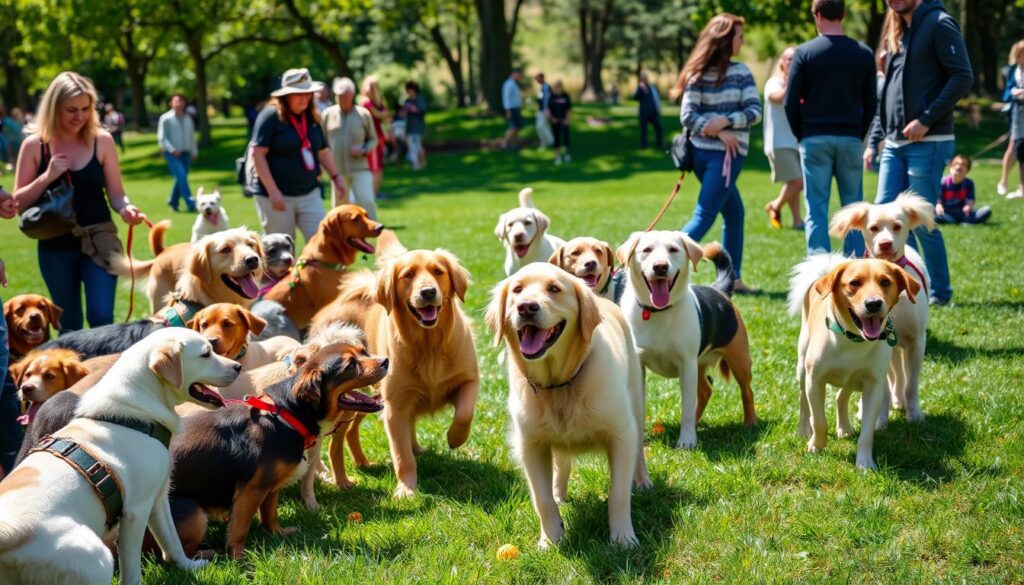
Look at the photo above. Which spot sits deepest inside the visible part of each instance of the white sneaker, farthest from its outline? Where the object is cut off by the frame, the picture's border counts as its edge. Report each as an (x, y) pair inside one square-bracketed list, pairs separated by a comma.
[(1001, 188), (1015, 194)]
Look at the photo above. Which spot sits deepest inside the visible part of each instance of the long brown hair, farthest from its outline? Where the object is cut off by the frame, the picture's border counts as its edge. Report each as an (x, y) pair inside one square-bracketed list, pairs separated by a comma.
[(892, 31), (281, 103), (713, 51)]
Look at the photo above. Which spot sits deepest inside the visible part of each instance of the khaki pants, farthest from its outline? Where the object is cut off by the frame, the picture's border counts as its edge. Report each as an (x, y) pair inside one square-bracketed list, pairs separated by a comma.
[(305, 212), (360, 192), (544, 132)]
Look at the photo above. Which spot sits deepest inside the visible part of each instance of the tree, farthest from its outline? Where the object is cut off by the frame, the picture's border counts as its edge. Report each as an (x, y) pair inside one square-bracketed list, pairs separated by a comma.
[(439, 15), (15, 88), (594, 18), (496, 35), (324, 25)]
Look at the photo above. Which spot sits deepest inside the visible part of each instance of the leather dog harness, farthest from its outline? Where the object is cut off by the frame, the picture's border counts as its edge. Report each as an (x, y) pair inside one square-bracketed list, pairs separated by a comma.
[(178, 314), (99, 475)]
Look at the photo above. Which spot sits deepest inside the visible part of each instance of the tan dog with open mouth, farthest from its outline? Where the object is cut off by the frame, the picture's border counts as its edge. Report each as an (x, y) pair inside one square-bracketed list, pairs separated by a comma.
[(43, 373), (575, 385), (411, 312), (846, 340), (886, 229), (589, 259), (523, 232), (29, 318)]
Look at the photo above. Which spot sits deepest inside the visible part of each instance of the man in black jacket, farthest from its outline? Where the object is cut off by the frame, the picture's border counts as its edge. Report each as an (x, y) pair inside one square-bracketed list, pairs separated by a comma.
[(928, 71)]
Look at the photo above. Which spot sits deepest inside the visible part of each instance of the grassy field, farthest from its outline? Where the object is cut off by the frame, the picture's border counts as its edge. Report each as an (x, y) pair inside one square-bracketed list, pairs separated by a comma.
[(748, 505)]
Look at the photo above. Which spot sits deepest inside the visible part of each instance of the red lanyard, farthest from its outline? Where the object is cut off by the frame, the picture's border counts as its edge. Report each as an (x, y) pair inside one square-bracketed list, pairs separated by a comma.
[(302, 131)]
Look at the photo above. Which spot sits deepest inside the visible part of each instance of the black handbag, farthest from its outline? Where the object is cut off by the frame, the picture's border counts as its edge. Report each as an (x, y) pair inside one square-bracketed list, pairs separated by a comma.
[(681, 151), (53, 214)]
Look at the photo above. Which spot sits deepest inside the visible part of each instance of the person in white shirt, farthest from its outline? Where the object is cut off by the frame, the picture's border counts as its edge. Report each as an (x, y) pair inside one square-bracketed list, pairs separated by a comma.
[(176, 134), (512, 103), (781, 146)]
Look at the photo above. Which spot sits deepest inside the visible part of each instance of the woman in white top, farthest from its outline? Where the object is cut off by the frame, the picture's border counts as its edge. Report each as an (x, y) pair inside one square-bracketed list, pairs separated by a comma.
[(781, 146)]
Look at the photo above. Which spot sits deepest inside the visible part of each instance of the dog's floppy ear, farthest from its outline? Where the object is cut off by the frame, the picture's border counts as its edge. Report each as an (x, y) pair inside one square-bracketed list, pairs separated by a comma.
[(314, 376), (459, 274), (18, 369), (827, 283), (495, 315), (609, 255), (8, 309), (301, 355), (500, 229), (542, 221), (256, 324), (73, 372), (291, 241), (626, 250), (852, 217), (693, 250), (558, 256), (165, 362), (54, 313), (906, 283), (386, 295), (198, 263), (918, 210), (589, 316)]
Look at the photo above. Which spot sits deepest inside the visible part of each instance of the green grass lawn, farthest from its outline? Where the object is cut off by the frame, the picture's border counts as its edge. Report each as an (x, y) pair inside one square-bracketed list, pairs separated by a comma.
[(749, 505)]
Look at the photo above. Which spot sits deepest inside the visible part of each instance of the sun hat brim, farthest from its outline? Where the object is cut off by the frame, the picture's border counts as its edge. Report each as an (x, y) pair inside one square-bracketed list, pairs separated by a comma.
[(311, 87)]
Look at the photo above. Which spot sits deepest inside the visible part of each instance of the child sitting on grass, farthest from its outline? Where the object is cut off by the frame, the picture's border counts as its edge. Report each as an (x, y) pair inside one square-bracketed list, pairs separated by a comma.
[(956, 205)]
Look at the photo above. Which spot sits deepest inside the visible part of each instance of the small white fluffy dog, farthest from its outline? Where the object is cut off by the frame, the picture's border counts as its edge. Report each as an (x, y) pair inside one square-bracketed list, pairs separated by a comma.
[(845, 340), (212, 218), (523, 232), (52, 524), (575, 384), (886, 229)]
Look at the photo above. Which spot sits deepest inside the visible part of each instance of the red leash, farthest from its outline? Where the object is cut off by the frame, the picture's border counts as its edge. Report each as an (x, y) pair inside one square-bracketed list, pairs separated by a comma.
[(131, 268)]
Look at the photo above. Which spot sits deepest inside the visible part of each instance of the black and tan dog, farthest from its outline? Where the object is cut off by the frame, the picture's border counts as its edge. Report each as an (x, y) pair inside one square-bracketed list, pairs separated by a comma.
[(239, 459)]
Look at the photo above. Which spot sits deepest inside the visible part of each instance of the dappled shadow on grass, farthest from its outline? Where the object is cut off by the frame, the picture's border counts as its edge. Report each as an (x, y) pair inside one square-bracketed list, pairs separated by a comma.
[(948, 350), (720, 442), (923, 453)]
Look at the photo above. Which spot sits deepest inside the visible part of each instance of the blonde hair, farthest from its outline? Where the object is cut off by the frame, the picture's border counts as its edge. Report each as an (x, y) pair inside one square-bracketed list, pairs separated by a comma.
[(65, 86), (892, 32), (713, 52), (1016, 52), (777, 70), (368, 82)]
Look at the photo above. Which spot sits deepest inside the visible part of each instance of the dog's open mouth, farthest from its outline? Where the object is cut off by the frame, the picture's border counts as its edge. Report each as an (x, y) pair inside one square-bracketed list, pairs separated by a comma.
[(245, 286), (870, 327), (427, 316), (534, 341), (204, 393), (34, 335), (211, 216), (356, 401), (278, 270), (590, 279), (361, 245), (521, 250), (660, 288)]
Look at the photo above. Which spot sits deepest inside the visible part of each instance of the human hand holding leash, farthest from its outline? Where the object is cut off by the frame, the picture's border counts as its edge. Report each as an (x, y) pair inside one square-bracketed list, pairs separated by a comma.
[(715, 126)]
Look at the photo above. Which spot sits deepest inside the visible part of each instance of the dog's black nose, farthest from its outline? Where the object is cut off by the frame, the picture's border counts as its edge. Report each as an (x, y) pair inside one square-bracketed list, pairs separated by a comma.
[(35, 318), (237, 367), (661, 268), (252, 262), (590, 264), (873, 305), (528, 308), (384, 363), (428, 293), (27, 388)]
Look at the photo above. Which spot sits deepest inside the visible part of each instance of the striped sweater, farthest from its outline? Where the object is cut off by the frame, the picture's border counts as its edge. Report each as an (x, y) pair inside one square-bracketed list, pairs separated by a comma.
[(736, 98)]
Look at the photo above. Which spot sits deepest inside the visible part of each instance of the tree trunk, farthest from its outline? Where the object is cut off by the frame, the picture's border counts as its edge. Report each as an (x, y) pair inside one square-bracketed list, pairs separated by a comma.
[(193, 40), (495, 50), (454, 66), (307, 24), (470, 64), (594, 22), (137, 81), (876, 19)]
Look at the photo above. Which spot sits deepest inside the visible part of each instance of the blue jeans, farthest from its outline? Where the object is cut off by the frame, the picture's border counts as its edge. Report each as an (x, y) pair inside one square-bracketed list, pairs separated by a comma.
[(10, 428), (64, 273), (918, 167), (715, 198), (179, 166), (821, 158)]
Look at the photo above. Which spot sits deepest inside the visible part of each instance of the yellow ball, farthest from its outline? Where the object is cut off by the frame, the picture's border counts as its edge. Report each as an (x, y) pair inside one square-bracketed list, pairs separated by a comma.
[(508, 552)]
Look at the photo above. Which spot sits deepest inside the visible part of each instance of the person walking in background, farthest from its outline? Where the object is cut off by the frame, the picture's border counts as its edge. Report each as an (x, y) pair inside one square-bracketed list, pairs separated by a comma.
[(70, 143), (113, 122), (1013, 95), (12, 125), (512, 103), (415, 125), (323, 100), (719, 105), (830, 115), (928, 72), (351, 136), (544, 130), (956, 204), (176, 134), (558, 111), (373, 103), (781, 147), (288, 149), (650, 110)]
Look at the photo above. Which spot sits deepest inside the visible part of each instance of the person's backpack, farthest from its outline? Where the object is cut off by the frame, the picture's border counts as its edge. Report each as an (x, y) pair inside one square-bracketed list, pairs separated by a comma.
[(245, 172)]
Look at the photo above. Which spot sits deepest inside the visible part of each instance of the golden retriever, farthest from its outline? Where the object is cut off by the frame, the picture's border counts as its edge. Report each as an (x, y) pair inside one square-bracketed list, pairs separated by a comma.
[(575, 384), (589, 259), (846, 340)]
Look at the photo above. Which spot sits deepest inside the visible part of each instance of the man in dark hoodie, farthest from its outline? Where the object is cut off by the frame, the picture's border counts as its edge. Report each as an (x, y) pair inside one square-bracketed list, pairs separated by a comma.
[(928, 71)]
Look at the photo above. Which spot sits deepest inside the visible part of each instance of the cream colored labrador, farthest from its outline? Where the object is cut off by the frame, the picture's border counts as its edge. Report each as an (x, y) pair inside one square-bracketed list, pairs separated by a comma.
[(575, 385), (523, 232)]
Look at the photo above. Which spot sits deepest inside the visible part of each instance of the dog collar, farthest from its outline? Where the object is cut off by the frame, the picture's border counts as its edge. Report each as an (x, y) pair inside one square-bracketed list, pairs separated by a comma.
[(241, 353), (308, 438), (889, 334), (148, 428), (178, 314), (646, 311), (537, 387), (608, 283), (303, 262)]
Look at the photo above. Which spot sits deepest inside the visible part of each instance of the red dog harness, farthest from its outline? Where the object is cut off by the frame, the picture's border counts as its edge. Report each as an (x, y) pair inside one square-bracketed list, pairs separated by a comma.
[(308, 438)]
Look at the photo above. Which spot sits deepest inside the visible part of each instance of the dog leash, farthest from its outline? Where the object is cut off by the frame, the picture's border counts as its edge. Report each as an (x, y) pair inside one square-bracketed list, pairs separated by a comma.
[(991, 145), (131, 267), (668, 202)]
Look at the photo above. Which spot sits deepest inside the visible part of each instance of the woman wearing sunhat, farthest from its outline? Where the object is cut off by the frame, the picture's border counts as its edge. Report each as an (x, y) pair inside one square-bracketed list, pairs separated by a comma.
[(288, 149)]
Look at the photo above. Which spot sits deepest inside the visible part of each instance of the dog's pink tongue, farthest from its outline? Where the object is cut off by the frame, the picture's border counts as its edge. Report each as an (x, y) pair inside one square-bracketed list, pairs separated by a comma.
[(249, 286), (532, 339), (659, 293), (591, 280), (427, 313), (522, 250), (871, 327), (213, 218)]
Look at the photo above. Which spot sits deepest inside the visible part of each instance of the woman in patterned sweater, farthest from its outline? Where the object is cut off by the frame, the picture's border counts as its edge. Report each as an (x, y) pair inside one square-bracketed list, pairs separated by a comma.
[(720, 104)]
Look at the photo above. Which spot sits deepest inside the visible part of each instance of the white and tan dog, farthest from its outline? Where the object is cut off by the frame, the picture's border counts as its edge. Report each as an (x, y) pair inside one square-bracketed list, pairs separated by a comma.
[(846, 340), (886, 229), (523, 232), (575, 384), (212, 218), (52, 524)]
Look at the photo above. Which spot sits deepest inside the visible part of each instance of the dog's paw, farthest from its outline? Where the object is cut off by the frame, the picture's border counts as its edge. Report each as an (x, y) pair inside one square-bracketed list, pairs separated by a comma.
[(403, 491), (312, 505), (458, 434), (363, 462), (624, 538), (813, 448), (284, 530), (843, 431), (687, 440), (915, 416), (192, 564), (866, 463), (642, 484), (882, 423)]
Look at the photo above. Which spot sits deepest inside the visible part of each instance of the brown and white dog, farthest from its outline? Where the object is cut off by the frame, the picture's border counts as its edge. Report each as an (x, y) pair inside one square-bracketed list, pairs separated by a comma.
[(29, 318), (886, 228), (43, 373), (845, 340), (589, 259)]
